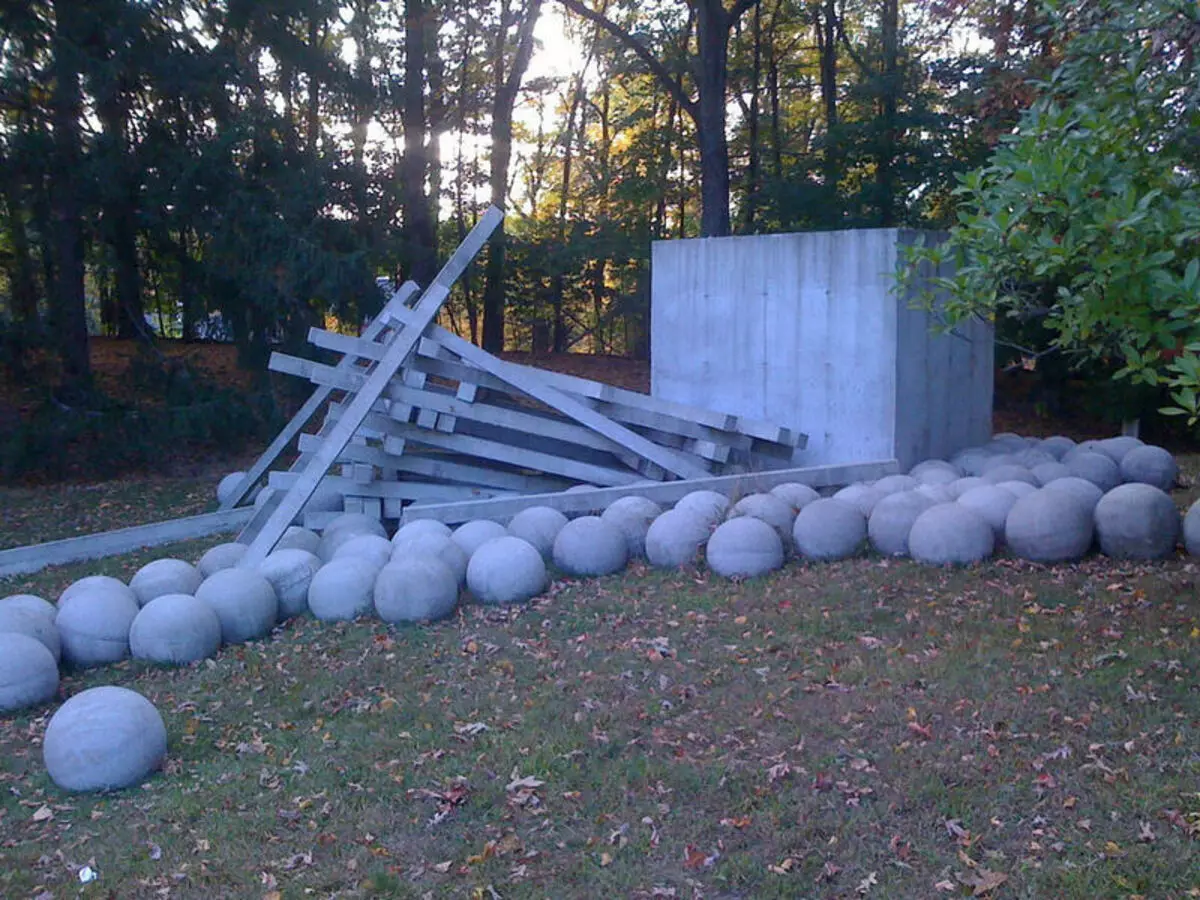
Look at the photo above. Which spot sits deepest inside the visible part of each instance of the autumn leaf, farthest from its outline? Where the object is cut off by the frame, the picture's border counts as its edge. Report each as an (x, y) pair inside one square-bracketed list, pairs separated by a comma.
[(980, 880)]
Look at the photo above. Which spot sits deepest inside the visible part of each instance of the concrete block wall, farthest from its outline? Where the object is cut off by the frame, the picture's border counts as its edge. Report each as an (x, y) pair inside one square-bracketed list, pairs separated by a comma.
[(808, 330)]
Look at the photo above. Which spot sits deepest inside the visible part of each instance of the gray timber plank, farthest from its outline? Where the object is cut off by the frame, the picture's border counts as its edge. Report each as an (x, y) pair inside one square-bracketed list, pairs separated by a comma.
[(399, 349), (395, 490), (34, 558), (664, 492)]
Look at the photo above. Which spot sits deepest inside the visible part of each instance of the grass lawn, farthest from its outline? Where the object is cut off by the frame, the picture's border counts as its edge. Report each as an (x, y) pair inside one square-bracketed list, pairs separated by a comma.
[(862, 729)]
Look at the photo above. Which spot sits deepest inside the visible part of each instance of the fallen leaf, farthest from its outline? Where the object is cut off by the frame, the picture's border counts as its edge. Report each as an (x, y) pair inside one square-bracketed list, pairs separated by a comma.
[(443, 867), (605, 859), (981, 880), (526, 783), (43, 814), (864, 886)]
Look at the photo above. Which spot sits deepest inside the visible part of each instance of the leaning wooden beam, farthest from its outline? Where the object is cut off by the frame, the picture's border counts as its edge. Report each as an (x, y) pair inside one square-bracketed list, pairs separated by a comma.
[(395, 490), (34, 558), (664, 492), (399, 349), (313, 403)]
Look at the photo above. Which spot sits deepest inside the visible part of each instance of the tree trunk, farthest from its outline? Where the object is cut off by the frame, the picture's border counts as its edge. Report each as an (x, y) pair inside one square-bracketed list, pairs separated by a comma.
[(712, 43), (22, 283), (750, 201), (120, 208), (419, 238), (885, 170), (826, 32)]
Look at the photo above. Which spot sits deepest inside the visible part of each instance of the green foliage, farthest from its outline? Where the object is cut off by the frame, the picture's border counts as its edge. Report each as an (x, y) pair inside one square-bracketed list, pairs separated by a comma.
[(1086, 221)]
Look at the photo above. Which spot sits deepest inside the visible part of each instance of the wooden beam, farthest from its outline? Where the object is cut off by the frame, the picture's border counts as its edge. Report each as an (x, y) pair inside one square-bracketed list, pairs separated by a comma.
[(394, 490)]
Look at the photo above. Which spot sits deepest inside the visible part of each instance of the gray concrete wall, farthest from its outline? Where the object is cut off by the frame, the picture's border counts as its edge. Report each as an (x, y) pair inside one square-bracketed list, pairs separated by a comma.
[(805, 330)]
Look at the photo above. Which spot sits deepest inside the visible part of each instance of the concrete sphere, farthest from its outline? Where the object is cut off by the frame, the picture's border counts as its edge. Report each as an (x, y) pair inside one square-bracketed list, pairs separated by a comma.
[(1018, 488), (175, 629), (343, 589), (950, 534), (829, 529), (345, 527), (633, 521), (744, 547), (1057, 446), (539, 526), (290, 572), (89, 582), (104, 738), (1080, 489), (1034, 457), (94, 626), (707, 505), (970, 462), (962, 485), (990, 503), (420, 589), (1049, 526), (770, 509), (862, 497), (795, 495), (1115, 448), (1010, 473), (1000, 460), (369, 546), (935, 471), (421, 526), (1150, 465), (1137, 521), (891, 484), (938, 493), (1081, 447), (299, 538), (28, 672), (1191, 529), (435, 546), (33, 623), (470, 536), (227, 485), (892, 520), (1048, 472), (244, 601), (222, 556), (506, 570), (164, 576), (1009, 442), (1097, 468), (590, 546), (29, 603), (326, 498), (674, 538)]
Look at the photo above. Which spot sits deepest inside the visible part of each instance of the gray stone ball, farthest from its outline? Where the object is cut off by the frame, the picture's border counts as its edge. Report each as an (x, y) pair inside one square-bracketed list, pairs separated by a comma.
[(770, 509), (94, 625), (1080, 489), (942, 472), (829, 529), (950, 534), (795, 494), (227, 485), (992, 504), (435, 546), (1097, 468), (506, 570), (1057, 446), (1049, 526), (28, 672), (369, 546), (744, 547), (1018, 488), (343, 589), (674, 538), (938, 493), (1152, 465), (470, 536), (970, 461), (164, 576), (1137, 521), (418, 589), (1009, 442), (590, 546), (222, 556), (892, 520), (1090, 446), (89, 582), (539, 526), (706, 505), (1048, 472), (175, 629), (299, 538), (243, 600), (421, 526), (326, 498), (862, 497), (891, 484), (1191, 529), (1000, 460), (1010, 473), (1115, 448), (104, 738), (33, 623), (1035, 456), (962, 485), (290, 572), (30, 603), (344, 528)]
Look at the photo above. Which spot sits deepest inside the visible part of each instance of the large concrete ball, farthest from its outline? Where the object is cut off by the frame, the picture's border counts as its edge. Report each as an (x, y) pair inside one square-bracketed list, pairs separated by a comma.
[(767, 508), (299, 538), (829, 529), (104, 738), (94, 626), (1048, 472), (962, 485), (950, 534), (744, 547), (1049, 526), (345, 527), (28, 672), (470, 536), (29, 603), (506, 570), (1010, 473), (222, 556), (970, 461), (244, 601), (1009, 442), (1035, 456), (862, 497), (290, 572), (674, 538), (1000, 460), (1115, 448), (892, 520), (326, 498), (369, 546), (1057, 446), (940, 469), (164, 576), (633, 520), (795, 494), (892, 484), (1191, 529), (175, 629), (435, 546), (1152, 465), (590, 546), (89, 582), (1097, 468), (539, 526), (1018, 488), (1080, 489), (707, 505), (421, 526), (1090, 446), (990, 503), (1137, 521), (419, 589), (34, 623), (343, 589), (938, 493), (227, 485)]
